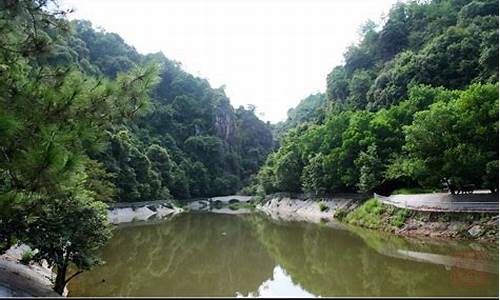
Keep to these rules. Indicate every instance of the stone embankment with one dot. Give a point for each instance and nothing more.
(298, 207)
(133, 212)
(351, 209)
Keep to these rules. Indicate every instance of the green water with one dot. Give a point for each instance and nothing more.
(205, 254)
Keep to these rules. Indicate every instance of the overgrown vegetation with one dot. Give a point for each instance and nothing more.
(367, 215)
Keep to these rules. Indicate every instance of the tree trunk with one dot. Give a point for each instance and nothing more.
(60, 280)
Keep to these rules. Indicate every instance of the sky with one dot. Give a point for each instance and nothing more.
(269, 53)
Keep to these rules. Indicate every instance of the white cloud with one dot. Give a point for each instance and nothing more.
(269, 53)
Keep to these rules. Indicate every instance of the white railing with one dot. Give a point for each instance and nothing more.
(451, 206)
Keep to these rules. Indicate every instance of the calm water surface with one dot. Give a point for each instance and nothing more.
(206, 254)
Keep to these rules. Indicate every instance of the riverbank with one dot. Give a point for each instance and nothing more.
(291, 207)
(448, 225)
(356, 210)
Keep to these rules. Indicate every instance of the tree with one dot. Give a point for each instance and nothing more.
(314, 175)
(370, 169)
(457, 140)
(67, 230)
(52, 118)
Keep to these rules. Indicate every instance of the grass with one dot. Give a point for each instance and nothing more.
(323, 206)
(412, 191)
(27, 257)
(375, 215)
(239, 205)
(367, 215)
(340, 214)
(399, 218)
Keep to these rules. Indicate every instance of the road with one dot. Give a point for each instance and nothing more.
(477, 202)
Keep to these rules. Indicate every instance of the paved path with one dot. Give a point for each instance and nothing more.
(477, 202)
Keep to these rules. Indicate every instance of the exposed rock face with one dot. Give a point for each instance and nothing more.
(225, 125)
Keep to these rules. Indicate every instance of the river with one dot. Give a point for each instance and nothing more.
(208, 254)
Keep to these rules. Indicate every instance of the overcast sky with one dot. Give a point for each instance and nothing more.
(270, 53)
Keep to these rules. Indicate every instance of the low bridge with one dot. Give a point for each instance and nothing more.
(227, 199)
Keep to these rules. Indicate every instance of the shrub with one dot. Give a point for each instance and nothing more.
(27, 256)
(323, 206)
(367, 215)
(340, 214)
(400, 217)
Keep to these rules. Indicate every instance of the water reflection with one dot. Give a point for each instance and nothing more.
(281, 285)
(204, 254)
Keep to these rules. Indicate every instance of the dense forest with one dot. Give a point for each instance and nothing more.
(414, 105)
(190, 142)
(85, 119)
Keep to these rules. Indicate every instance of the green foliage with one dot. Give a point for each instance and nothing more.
(369, 168)
(436, 134)
(191, 121)
(54, 116)
(417, 45)
(367, 215)
(399, 218)
(239, 205)
(323, 207)
(456, 140)
(27, 256)
(415, 104)
(313, 175)
(188, 142)
(310, 109)
(340, 213)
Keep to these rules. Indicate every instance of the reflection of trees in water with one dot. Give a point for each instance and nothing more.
(330, 262)
(219, 255)
(191, 255)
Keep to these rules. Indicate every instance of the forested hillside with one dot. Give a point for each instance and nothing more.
(415, 104)
(310, 109)
(190, 142)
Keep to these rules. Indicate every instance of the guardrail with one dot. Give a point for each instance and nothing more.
(459, 206)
